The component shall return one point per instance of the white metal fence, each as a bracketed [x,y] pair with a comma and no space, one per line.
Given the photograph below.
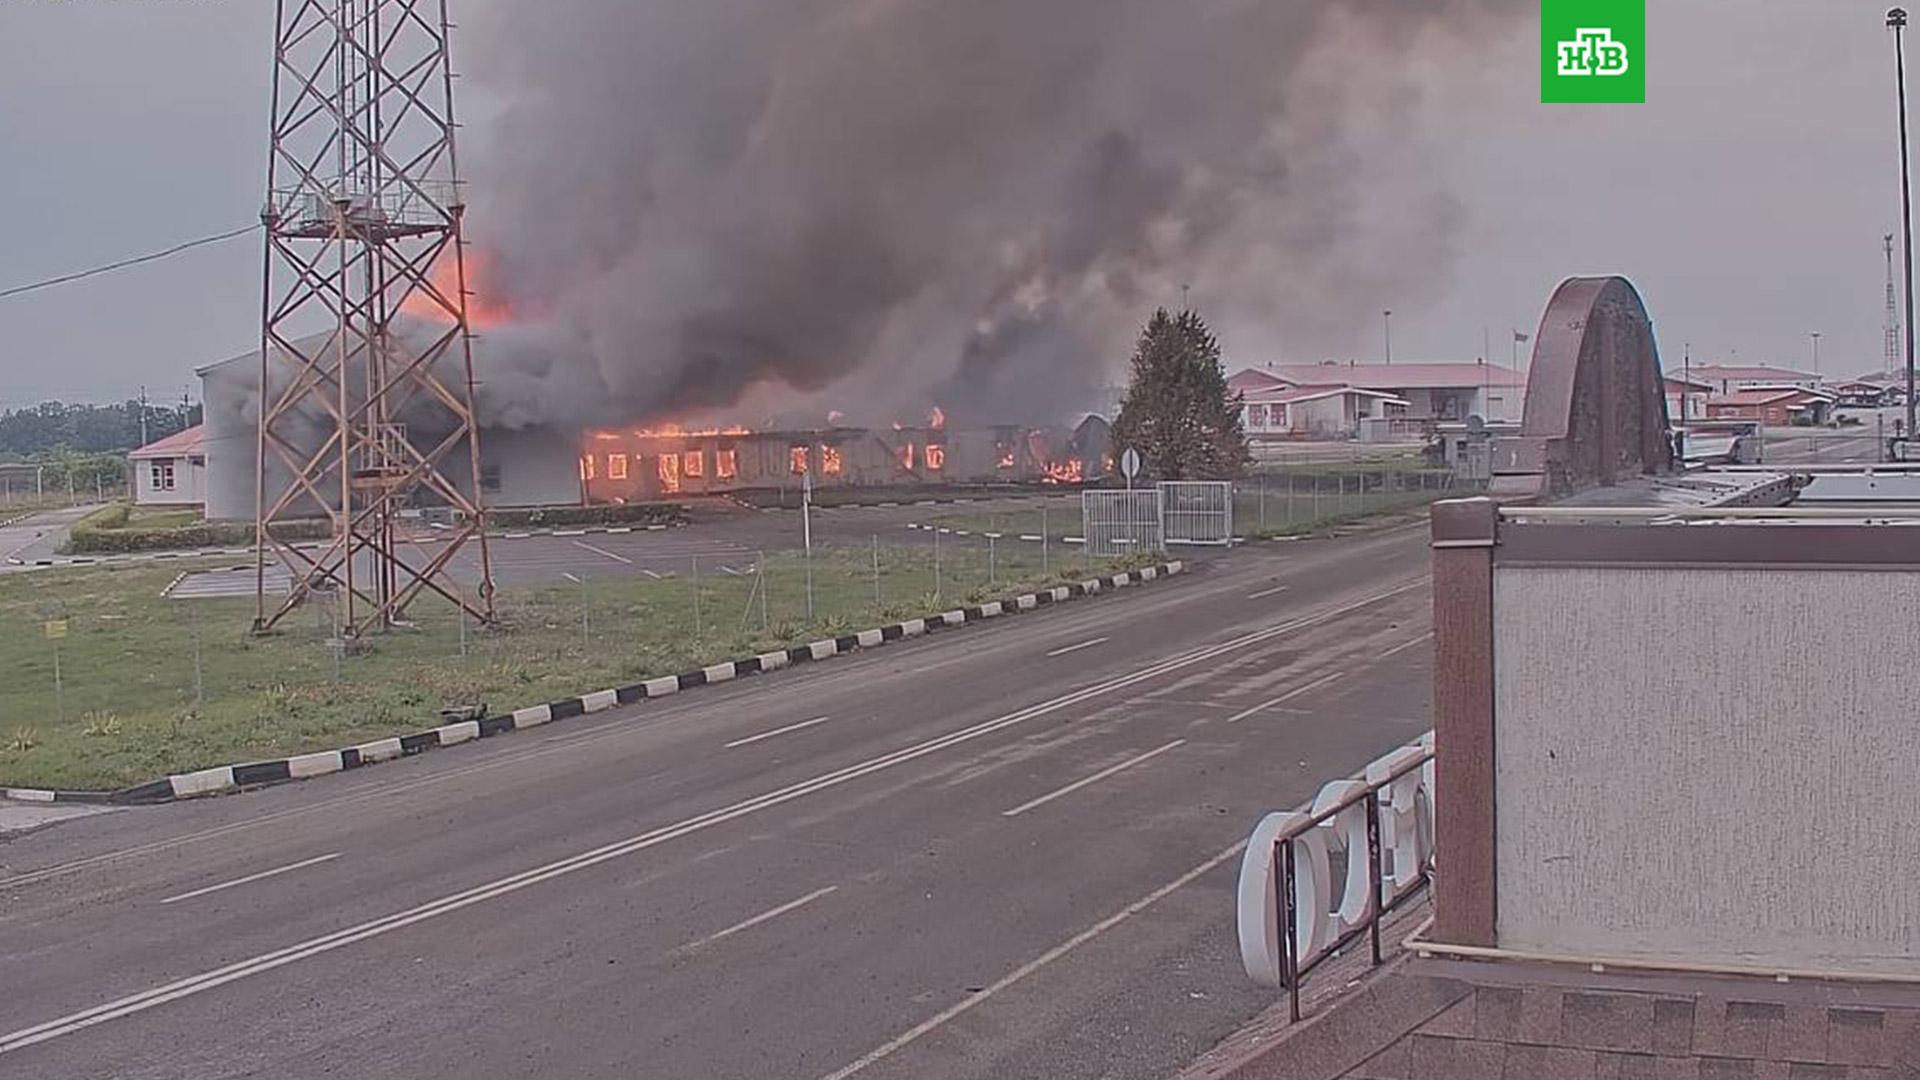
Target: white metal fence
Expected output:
[1196,511]
[1117,523]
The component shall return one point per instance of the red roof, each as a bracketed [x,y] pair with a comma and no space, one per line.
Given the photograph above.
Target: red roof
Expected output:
[1399,376]
[1253,380]
[179,444]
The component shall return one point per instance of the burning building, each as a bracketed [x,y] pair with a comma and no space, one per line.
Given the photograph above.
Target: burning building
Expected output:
[638,464]
[550,464]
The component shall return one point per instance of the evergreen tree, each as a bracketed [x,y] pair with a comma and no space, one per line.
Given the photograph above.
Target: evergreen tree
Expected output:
[1178,412]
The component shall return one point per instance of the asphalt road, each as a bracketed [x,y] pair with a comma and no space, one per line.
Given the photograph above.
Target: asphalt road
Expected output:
[37,536]
[1004,851]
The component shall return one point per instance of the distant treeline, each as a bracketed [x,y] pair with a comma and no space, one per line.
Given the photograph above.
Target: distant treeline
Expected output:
[55,428]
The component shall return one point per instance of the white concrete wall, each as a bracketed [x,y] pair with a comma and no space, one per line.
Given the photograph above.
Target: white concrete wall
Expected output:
[1710,765]
[189,483]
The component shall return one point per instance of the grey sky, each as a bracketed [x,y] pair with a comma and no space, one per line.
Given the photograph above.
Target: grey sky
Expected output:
[1746,199]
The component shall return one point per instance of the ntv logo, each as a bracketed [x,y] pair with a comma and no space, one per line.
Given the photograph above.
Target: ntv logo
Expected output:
[1593,52]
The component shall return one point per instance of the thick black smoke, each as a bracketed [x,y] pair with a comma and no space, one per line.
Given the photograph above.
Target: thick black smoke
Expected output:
[879,204]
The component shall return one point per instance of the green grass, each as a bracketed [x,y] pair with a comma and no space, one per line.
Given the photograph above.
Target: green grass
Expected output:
[1263,506]
[129,709]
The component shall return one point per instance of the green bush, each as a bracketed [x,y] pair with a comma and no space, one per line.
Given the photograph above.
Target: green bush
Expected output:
[104,532]
[629,514]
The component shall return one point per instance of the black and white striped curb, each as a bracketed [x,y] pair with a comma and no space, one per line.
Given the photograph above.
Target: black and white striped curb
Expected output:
[227,778]
[202,553]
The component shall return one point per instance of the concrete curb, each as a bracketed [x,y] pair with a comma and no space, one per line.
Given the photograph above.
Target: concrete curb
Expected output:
[313,545]
[226,778]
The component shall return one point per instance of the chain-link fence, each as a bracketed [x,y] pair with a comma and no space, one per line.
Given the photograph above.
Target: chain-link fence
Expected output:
[106,681]
[1278,503]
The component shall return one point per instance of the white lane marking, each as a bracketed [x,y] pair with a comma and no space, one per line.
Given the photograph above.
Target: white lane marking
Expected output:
[1264,593]
[1076,648]
[1095,778]
[209,980]
[764,916]
[1403,646]
[602,551]
[778,731]
[942,1018]
[251,878]
[1288,696]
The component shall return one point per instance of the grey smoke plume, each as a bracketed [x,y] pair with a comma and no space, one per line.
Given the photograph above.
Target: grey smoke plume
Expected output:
[880,205]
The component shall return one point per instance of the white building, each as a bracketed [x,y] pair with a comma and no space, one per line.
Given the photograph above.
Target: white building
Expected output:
[1315,412]
[1732,378]
[172,471]
[1406,397]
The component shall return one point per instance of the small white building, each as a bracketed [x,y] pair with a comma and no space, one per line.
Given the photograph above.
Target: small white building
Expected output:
[172,471]
[1315,412]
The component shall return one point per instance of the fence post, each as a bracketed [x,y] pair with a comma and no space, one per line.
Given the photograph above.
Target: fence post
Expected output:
[199,681]
[876,572]
[760,562]
[993,565]
[1046,541]
[699,628]
[936,563]
[1316,498]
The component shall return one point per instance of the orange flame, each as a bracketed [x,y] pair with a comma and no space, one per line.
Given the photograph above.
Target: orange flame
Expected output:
[667,431]
[830,463]
[906,456]
[484,311]
[937,419]
[936,457]
[1070,471]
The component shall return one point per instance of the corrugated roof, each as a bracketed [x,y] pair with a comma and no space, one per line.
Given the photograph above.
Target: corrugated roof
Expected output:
[179,444]
[1293,394]
[1753,372]
[1417,376]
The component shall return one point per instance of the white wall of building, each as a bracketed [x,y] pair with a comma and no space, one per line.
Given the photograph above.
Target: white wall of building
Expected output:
[170,481]
[1748,799]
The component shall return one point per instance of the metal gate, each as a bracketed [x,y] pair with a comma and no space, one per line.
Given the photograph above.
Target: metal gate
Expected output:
[1196,511]
[1121,522]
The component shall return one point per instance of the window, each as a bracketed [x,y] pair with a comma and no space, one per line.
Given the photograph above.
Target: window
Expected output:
[586,466]
[936,457]
[726,463]
[830,462]
[616,466]
[797,460]
[906,456]
[693,463]
[669,470]
[490,477]
[161,475]
[1257,417]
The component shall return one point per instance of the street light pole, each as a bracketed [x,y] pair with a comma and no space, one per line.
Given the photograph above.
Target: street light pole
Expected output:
[1386,318]
[1897,21]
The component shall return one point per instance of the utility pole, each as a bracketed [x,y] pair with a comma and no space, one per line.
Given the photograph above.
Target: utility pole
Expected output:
[1891,361]
[1897,21]
[143,415]
[1386,319]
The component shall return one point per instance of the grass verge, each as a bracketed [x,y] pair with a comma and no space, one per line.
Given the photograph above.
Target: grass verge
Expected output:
[151,686]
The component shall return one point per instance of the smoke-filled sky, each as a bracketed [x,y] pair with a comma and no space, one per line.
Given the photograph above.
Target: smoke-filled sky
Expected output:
[883,203]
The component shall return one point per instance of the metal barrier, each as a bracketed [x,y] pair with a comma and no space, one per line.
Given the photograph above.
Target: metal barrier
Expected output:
[1196,511]
[1375,829]
[1119,523]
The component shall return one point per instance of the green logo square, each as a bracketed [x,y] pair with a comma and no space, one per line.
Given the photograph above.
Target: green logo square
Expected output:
[1593,50]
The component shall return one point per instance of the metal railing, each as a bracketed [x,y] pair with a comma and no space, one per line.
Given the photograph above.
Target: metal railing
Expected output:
[1379,825]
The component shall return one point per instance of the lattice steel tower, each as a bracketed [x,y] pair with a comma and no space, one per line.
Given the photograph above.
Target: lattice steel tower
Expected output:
[363,415]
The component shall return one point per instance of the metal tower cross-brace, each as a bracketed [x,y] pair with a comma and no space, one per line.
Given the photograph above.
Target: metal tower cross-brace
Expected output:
[363,413]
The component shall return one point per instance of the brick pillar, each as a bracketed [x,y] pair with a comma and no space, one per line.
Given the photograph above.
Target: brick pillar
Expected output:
[1464,534]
